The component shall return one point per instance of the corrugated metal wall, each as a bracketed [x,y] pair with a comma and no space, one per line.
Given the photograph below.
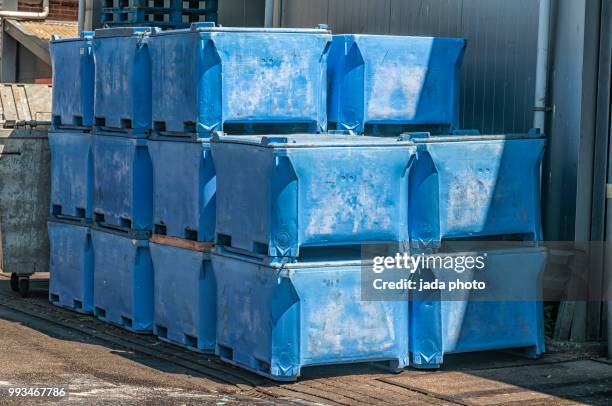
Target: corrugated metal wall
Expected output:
[241,13]
[498,71]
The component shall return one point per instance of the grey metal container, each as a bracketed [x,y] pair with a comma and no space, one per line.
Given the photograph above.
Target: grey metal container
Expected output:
[24,181]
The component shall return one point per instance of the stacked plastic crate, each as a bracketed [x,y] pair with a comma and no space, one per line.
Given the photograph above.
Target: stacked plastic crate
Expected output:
[123,179]
[198,195]
[158,13]
[245,82]
[70,139]
[467,192]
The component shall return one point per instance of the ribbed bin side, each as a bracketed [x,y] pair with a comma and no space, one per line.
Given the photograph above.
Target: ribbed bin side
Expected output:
[72,62]
[71,175]
[276,322]
[123,281]
[507,315]
[479,187]
[184,189]
[213,79]
[307,192]
[185,297]
[123,183]
[71,266]
[122,80]
[379,80]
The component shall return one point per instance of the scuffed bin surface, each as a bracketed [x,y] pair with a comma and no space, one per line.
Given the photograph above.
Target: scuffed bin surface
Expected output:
[476,186]
[184,189]
[123,281]
[123,178]
[277,195]
[275,321]
[394,80]
[508,314]
[71,175]
[73,81]
[122,98]
[71,267]
[185,297]
[209,77]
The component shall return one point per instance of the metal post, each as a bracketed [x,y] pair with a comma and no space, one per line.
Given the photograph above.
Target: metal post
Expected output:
[269,16]
[541,82]
[81,16]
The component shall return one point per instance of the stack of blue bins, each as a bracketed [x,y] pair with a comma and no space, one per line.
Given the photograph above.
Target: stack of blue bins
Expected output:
[70,139]
[262,304]
[222,188]
[205,80]
[123,179]
[477,192]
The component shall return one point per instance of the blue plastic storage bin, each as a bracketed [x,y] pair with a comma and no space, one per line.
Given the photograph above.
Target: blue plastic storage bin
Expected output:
[507,315]
[406,82]
[277,196]
[123,80]
[185,297]
[123,281]
[276,320]
[71,175]
[71,266]
[123,184]
[476,186]
[72,62]
[211,78]
[184,187]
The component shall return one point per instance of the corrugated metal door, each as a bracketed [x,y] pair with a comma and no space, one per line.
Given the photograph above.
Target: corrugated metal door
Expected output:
[499,66]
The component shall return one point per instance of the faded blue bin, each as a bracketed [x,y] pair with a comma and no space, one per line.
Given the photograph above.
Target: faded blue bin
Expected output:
[123,184]
[381,83]
[507,315]
[71,266]
[123,281]
[282,196]
[476,186]
[71,175]
[123,80]
[72,62]
[185,297]
[184,187]
[239,80]
[275,321]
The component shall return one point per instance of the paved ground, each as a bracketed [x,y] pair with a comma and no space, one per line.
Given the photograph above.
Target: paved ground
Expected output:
[99,364]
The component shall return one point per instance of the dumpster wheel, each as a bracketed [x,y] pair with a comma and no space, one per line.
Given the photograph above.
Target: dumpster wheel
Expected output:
[14,282]
[24,286]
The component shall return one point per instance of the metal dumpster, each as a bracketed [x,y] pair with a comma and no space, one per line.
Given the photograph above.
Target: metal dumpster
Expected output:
[73,81]
[211,78]
[382,84]
[278,196]
[24,182]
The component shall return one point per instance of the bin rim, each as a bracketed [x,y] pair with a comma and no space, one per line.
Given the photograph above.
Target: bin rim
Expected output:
[211,28]
[312,140]
[123,32]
